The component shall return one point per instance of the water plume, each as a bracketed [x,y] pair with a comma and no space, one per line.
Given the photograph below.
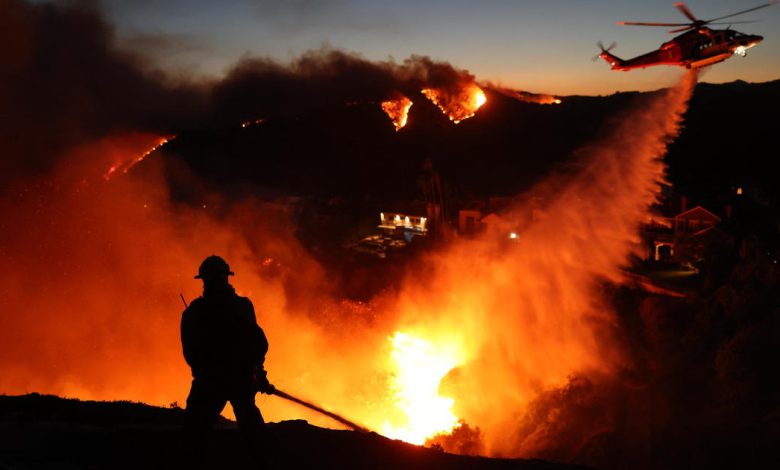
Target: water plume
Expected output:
[530,314]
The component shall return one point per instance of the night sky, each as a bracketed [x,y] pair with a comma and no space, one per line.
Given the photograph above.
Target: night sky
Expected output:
[540,46]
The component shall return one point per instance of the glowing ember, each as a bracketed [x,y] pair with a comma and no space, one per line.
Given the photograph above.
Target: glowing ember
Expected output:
[528,97]
[124,167]
[540,99]
[420,366]
[246,124]
[459,105]
[398,111]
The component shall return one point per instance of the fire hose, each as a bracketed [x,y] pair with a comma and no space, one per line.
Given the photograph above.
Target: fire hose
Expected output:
[329,414]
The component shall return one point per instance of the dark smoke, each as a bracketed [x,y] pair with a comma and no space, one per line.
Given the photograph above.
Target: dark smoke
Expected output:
[324,77]
[64,81]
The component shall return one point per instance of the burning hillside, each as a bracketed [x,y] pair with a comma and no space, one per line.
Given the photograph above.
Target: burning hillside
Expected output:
[398,111]
[458,104]
[123,167]
[529,97]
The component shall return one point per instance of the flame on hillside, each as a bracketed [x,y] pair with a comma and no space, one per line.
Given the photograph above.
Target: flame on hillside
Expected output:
[537,98]
[419,366]
[458,103]
[124,166]
[527,96]
[398,111]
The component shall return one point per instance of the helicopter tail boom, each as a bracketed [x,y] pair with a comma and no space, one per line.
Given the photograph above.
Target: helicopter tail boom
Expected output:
[614,61]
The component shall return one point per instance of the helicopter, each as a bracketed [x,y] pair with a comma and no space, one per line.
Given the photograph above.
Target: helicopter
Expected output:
[697,46]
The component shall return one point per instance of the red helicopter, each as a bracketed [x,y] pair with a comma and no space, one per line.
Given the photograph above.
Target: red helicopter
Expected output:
[698,46]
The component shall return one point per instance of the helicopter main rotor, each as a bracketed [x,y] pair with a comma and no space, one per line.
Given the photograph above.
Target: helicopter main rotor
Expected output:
[695,22]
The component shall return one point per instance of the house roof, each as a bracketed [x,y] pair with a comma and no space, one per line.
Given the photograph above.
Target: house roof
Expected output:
[698,213]
[492,218]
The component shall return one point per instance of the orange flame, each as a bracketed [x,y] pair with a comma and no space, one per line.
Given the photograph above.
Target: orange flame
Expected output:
[528,97]
[537,98]
[419,368]
[459,105]
[124,166]
[398,111]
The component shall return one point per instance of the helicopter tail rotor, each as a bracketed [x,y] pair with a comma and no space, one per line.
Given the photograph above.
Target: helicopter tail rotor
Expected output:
[603,49]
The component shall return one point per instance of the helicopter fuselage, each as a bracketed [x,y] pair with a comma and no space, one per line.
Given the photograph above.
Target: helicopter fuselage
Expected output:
[693,49]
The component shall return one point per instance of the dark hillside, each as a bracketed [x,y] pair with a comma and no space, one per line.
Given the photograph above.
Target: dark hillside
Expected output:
[730,139]
[39,431]
[353,152]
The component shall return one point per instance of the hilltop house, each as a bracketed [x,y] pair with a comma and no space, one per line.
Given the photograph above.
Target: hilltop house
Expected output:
[670,239]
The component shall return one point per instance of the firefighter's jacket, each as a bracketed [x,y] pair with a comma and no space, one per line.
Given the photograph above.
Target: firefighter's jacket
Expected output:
[221,338]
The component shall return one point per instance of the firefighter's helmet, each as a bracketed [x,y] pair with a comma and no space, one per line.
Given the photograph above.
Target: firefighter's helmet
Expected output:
[213,267]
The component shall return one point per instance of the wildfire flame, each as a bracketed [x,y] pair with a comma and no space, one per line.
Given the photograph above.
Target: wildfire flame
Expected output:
[398,111]
[124,166]
[536,98]
[459,105]
[419,368]
[528,97]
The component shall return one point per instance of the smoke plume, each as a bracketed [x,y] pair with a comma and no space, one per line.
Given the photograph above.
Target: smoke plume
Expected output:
[65,82]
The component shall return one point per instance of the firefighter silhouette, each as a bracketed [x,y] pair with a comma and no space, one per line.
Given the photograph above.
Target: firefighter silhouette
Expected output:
[226,348]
